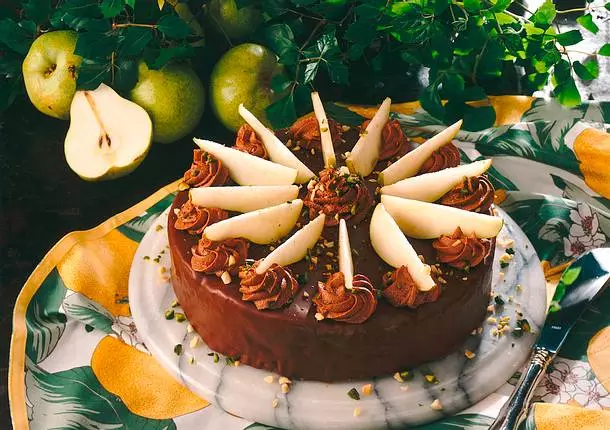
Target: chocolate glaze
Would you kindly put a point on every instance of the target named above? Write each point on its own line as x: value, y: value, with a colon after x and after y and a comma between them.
x: 291, y: 342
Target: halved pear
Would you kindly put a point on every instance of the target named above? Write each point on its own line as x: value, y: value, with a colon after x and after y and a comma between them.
x: 295, y: 247
x: 346, y: 263
x: 423, y: 220
x: 394, y: 248
x: 410, y: 163
x: 275, y: 148
x: 365, y: 153
x: 262, y: 226
x: 246, y: 198
x: 109, y: 136
x: 246, y: 169
x: 430, y: 187
x: 326, y: 140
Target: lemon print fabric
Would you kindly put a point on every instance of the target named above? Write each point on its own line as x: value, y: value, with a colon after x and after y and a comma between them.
x: 141, y: 383
x: 99, y: 269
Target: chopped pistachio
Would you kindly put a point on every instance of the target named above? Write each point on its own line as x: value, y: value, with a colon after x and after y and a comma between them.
x: 269, y: 379
x: 353, y: 394
x: 284, y: 380
x: 180, y: 317
x: 178, y: 349
x: 357, y: 412
x: 285, y: 388
x: 169, y: 314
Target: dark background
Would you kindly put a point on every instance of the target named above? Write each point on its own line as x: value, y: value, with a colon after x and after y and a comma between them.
x: 41, y: 199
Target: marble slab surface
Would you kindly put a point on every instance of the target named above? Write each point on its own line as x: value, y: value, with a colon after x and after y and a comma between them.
x: 243, y: 390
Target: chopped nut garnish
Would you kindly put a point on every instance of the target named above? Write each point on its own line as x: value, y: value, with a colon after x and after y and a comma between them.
x: 492, y: 320
x: 275, y: 403
x: 367, y: 389
x: 191, y: 360
x: 226, y: 277
x: 404, y: 387
x: 178, y: 349
x: 506, y: 257
x: 189, y: 328
x: 357, y: 412
x: 162, y: 269
x: 158, y: 227
x: 236, y: 363
x: 176, y: 211
x: 421, y: 257
x: 231, y: 260
x: 398, y: 377
x: 269, y: 379
x: 285, y: 388
x: 169, y: 314
x: 194, y: 341
x: 180, y: 317
x: 284, y: 380
x: 491, y: 308
x: 353, y: 394
x: 469, y: 354
x: 305, y: 294
x: 436, y: 405
x: 501, y: 275
x: 182, y: 186
x: 318, y: 316
x: 430, y: 378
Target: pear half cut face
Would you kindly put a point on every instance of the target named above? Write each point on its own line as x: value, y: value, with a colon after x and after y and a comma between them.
x: 109, y: 136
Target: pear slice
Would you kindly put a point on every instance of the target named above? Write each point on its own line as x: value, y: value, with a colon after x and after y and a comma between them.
x: 295, y: 247
x: 365, y: 153
x: 246, y: 169
x: 276, y: 149
x: 109, y: 136
x: 394, y: 248
x: 346, y: 263
x: 410, y: 163
x: 430, y: 187
x: 262, y: 226
x: 423, y: 220
x: 245, y: 198
x: 326, y: 140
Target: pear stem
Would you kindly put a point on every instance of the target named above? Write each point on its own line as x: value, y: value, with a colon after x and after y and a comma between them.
x: 104, y: 138
x: 129, y: 24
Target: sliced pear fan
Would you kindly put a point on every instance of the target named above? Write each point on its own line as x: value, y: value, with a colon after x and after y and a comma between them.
x: 326, y: 140
x: 423, y: 220
x: 275, y: 148
x: 262, y: 226
x: 365, y: 153
x: 109, y: 136
x: 245, y: 198
x: 410, y: 163
x: 430, y: 187
x: 246, y: 169
x: 346, y: 263
x: 393, y: 247
x: 295, y: 247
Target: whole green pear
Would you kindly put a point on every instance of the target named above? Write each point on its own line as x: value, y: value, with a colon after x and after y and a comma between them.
x: 243, y: 75
x: 237, y: 24
x: 173, y: 96
x: 49, y: 72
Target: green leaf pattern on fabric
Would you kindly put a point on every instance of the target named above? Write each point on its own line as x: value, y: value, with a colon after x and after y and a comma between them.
x: 74, y: 399
x: 88, y: 312
x: 137, y: 227
x: 44, y: 320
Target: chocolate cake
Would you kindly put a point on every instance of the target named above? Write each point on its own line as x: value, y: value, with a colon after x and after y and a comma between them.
x: 303, y: 320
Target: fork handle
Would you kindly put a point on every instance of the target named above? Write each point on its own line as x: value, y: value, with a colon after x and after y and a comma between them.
x: 515, y: 409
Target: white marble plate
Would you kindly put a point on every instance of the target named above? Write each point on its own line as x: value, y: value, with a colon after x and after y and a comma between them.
x: 242, y: 390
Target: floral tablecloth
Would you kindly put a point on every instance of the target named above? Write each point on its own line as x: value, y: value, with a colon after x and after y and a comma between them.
x: 77, y: 361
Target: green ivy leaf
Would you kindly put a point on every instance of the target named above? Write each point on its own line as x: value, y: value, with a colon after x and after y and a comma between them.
x: 586, y: 21
x: 587, y: 71
x: 605, y: 50
x: 544, y: 15
x: 472, y: 5
x: 282, y: 113
x: 92, y: 73
x: 326, y: 50
x: 567, y: 93
x: 174, y: 53
x: 95, y: 45
x: 37, y: 10
x: 131, y: 3
x: 568, y: 38
x: 112, y: 8
x: 125, y: 75
x: 280, y: 39
x: 14, y: 36
x: 133, y: 41
x: 280, y: 83
x: 173, y: 27
x: 500, y: 5
x: 431, y: 101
